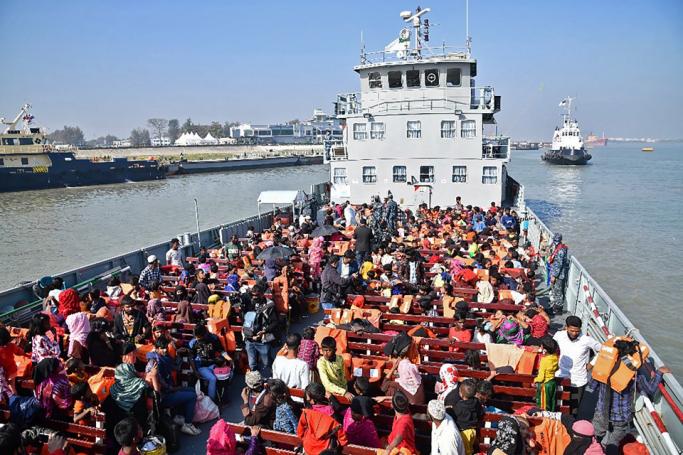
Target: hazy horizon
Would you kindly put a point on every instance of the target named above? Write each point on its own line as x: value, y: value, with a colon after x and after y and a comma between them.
x: 109, y: 66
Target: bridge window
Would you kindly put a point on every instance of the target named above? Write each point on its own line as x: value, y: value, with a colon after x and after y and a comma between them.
x: 369, y: 174
x: 25, y: 141
x: 453, y: 77
x: 395, y: 79
x: 468, y: 128
x: 448, y: 129
x: 24, y: 161
x: 459, y: 174
x: 2, y: 161
x: 375, y: 80
x: 490, y: 175
x: 413, y: 78
x: 10, y: 141
x: 426, y: 174
x: 360, y: 131
x: 432, y: 78
x: 376, y: 130
x: 400, y: 174
x: 414, y: 129
x: 339, y: 176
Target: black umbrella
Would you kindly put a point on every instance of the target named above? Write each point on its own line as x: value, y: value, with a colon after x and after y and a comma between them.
x: 276, y: 252
x: 324, y: 230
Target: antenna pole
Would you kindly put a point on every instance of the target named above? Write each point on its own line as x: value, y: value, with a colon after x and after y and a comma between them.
x: 467, y: 27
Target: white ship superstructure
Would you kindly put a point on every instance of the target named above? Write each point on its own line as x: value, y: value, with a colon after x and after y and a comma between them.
x: 567, y: 146
x: 416, y: 127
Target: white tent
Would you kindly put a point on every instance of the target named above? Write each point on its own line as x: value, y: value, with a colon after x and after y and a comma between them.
x: 188, y: 139
x: 209, y: 140
x: 282, y: 197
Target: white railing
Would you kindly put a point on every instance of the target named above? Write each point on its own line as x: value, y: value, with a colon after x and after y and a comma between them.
x: 411, y: 55
x: 495, y: 147
x: 585, y: 298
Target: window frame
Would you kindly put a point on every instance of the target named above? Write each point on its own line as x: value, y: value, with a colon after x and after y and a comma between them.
x: 377, y: 81
x: 389, y: 81
x: 412, y: 78
x: 468, y: 122
x: 448, y: 71
x: 377, y: 134
x: 398, y: 177
x: 24, y: 161
x: 369, y: 177
x: 343, y: 179
x: 453, y: 131
x: 358, y: 134
x: 416, y: 132
x: 458, y: 178
x: 484, y: 177
x: 428, y: 176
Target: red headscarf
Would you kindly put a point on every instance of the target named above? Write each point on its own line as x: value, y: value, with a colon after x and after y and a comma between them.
x: 222, y: 440
x: 69, y: 302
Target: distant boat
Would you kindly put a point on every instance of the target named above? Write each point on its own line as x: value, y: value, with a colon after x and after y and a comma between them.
x: 567, y: 147
x: 594, y: 141
x: 648, y: 149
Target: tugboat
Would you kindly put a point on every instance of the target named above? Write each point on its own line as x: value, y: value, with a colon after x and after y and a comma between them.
x: 27, y: 162
x: 567, y: 146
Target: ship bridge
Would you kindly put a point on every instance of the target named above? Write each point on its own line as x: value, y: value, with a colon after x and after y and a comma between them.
x: 416, y: 127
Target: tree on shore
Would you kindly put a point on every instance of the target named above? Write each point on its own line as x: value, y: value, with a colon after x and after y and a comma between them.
x: 139, y: 137
x: 158, y: 126
x: 70, y: 135
x: 188, y: 127
x: 173, y: 129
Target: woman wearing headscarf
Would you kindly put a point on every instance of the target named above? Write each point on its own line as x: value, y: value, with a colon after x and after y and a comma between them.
x: 69, y: 302
x: 315, y: 256
x: 52, y: 386
x: 183, y: 312
x: 358, y: 425
x: 583, y: 440
x: 409, y: 380
x: 79, y: 329
x: 448, y: 383
x: 128, y: 389
x: 510, y: 332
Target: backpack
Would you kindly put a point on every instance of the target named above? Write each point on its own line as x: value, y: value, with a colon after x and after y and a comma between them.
x: 398, y: 345
x: 24, y: 410
x: 248, y: 329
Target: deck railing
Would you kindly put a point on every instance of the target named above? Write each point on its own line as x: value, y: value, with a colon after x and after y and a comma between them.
x: 585, y: 298
x: 410, y: 55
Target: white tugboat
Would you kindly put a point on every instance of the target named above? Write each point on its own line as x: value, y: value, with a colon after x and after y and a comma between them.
x: 567, y: 146
x: 416, y: 127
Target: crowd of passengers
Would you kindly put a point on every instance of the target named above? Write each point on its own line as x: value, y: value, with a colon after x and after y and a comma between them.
x: 429, y: 253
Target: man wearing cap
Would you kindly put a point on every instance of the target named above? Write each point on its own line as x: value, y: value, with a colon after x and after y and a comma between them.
x: 258, y: 405
x: 446, y: 438
x: 150, y: 273
x: 558, y: 272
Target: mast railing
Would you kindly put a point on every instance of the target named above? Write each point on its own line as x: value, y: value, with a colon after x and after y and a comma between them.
x: 412, y: 55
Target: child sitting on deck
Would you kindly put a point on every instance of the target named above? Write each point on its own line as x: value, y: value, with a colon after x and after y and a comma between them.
x: 331, y: 369
x: 545, y: 379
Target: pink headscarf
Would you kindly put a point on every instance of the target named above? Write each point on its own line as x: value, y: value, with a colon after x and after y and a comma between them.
x: 79, y: 328
x: 409, y: 376
x: 221, y: 440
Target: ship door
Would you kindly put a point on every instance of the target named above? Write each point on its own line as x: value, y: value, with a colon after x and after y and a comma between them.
x: 422, y: 195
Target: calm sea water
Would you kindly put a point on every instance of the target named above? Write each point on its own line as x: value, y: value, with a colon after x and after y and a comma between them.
x: 622, y: 216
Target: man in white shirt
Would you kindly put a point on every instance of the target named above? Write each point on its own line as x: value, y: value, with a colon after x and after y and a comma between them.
x: 174, y: 256
x: 290, y: 369
x: 575, y: 351
x: 446, y: 439
x: 349, y: 214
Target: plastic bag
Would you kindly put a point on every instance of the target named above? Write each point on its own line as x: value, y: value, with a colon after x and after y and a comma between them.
x: 204, y: 409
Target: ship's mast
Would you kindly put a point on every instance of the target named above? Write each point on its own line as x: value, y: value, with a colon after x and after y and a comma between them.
x: 23, y: 113
x: 567, y: 104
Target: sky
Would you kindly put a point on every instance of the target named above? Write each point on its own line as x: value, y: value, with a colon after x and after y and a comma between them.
x: 108, y: 66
